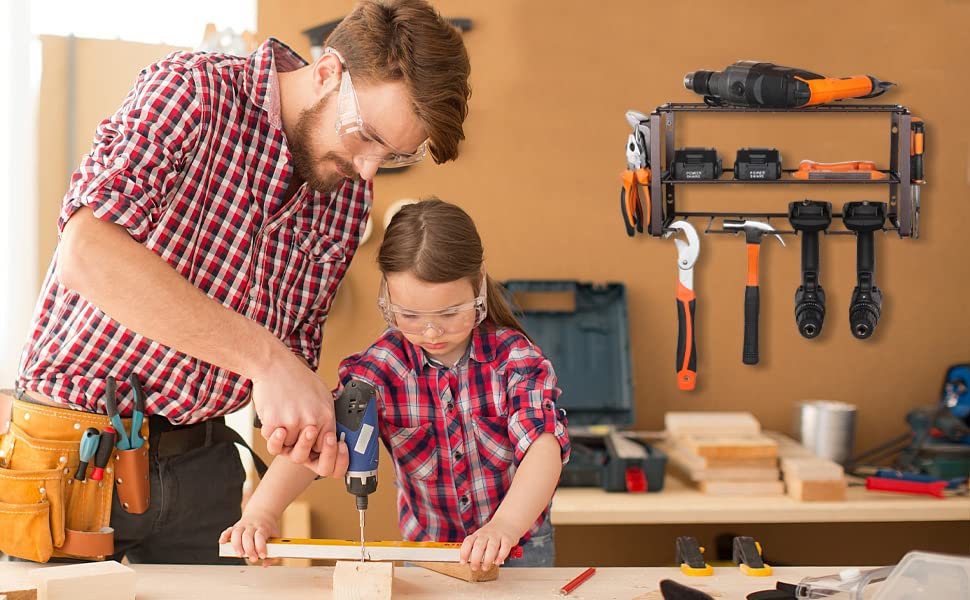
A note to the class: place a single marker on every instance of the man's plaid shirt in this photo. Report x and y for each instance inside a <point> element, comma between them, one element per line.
<point>195,166</point>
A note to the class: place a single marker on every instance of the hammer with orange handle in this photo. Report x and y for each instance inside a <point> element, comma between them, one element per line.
<point>753,231</point>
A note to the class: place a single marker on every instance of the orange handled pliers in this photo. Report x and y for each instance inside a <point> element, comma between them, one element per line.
<point>636,177</point>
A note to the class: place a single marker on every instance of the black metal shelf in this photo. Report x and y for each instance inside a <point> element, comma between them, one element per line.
<point>728,177</point>
<point>902,207</point>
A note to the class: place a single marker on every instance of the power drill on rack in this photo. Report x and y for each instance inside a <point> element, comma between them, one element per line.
<point>762,84</point>
<point>356,414</point>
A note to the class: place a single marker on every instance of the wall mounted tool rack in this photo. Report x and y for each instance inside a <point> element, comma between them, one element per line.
<point>902,207</point>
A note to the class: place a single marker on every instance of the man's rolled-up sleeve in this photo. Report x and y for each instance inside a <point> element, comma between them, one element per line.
<point>532,393</point>
<point>138,152</point>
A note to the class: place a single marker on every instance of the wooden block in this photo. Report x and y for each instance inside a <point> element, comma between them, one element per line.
<point>817,491</point>
<point>107,580</point>
<point>814,469</point>
<point>693,467</point>
<point>295,523</point>
<point>743,488</point>
<point>679,424</point>
<point>732,447</point>
<point>30,594</point>
<point>461,571</point>
<point>356,580</point>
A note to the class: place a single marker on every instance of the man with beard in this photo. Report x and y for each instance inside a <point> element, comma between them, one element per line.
<point>202,241</point>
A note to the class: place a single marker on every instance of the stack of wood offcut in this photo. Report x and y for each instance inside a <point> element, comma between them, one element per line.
<point>808,477</point>
<point>727,454</point>
<point>723,453</point>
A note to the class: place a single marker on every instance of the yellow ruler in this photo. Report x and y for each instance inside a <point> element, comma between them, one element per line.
<point>350,550</point>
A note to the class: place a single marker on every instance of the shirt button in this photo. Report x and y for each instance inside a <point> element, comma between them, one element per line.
<point>252,293</point>
<point>457,455</point>
<point>451,406</point>
<point>120,162</point>
<point>464,500</point>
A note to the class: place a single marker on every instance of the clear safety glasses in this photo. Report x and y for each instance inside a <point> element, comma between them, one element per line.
<point>359,139</point>
<point>455,319</point>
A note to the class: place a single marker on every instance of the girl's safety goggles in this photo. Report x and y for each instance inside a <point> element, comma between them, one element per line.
<point>454,319</point>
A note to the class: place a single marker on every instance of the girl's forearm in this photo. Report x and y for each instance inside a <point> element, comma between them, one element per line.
<point>283,482</point>
<point>533,485</point>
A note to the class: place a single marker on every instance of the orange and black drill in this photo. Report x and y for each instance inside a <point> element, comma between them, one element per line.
<point>761,84</point>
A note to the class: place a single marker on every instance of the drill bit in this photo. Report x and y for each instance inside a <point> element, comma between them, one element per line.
<point>362,552</point>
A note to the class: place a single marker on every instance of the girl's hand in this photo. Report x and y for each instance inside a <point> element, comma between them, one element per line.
<point>488,546</point>
<point>248,536</point>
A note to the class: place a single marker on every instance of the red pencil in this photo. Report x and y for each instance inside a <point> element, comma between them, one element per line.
<point>578,581</point>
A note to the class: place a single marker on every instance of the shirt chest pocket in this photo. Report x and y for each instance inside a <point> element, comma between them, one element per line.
<point>301,273</point>
<point>415,450</point>
<point>494,444</point>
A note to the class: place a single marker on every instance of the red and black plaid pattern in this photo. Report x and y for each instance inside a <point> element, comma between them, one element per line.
<point>456,435</point>
<point>195,166</point>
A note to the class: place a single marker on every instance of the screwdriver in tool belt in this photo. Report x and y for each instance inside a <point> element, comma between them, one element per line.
<point>106,446</point>
<point>89,446</point>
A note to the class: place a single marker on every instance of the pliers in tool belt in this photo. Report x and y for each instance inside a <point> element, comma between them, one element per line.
<point>687,253</point>
<point>636,177</point>
<point>111,406</point>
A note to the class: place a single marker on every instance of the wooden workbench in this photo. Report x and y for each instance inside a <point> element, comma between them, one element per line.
<point>678,503</point>
<point>160,582</point>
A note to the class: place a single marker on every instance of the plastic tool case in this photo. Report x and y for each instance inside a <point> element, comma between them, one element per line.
<point>583,329</point>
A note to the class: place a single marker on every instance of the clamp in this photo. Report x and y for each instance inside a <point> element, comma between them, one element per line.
<point>687,253</point>
<point>747,554</point>
<point>690,557</point>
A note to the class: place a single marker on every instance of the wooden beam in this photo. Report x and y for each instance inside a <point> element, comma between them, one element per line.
<point>355,580</point>
<point>459,571</point>
<point>350,550</point>
<point>107,580</point>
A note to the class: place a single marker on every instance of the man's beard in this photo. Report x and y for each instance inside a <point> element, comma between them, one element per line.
<point>301,154</point>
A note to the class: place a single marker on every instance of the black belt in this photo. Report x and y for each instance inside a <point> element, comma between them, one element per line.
<point>171,440</point>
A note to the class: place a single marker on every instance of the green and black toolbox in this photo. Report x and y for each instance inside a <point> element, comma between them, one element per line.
<point>583,328</point>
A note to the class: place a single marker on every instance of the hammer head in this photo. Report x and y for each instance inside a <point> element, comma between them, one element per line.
<point>753,230</point>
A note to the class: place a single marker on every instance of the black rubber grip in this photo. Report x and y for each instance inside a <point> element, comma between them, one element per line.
<point>682,336</point>
<point>752,305</point>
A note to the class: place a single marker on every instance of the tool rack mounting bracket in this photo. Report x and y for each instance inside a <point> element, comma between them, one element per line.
<point>901,209</point>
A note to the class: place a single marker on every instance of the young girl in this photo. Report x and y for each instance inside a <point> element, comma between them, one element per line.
<point>466,403</point>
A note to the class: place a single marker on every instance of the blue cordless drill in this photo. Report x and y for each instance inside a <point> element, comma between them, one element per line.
<point>356,414</point>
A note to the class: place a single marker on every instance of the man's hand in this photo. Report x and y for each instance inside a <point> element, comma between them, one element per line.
<point>331,462</point>
<point>488,546</point>
<point>248,536</point>
<point>287,395</point>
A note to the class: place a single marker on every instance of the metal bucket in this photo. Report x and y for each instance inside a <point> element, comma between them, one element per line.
<point>827,428</point>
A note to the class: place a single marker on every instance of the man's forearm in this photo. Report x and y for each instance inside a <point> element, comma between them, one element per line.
<point>137,288</point>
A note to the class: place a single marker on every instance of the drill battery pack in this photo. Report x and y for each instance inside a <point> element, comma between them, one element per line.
<point>696,164</point>
<point>757,163</point>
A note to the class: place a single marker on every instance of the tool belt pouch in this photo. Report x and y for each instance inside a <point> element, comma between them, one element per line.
<point>131,479</point>
<point>44,510</point>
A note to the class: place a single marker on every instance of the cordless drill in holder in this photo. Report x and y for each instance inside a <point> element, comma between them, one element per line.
<point>864,218</point>
<point>809,217</point>
<point>356,414</point>
<point>761,84</point>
